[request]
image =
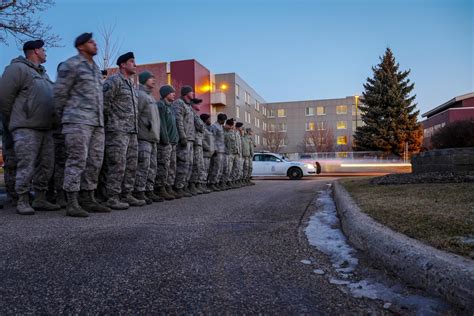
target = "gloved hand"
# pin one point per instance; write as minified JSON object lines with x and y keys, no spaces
{"x":183,"y":141}
{"x":196,"y":100}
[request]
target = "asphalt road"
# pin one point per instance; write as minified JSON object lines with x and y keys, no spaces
{"x":236,"y":251}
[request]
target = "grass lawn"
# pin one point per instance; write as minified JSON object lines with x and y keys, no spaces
{"x":437,"y":214}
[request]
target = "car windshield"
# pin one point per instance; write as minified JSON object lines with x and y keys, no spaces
{"x":283,"y":158}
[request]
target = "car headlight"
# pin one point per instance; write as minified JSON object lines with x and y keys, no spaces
{"x":309,"y":166}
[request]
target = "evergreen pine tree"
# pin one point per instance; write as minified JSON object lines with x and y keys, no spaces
{"x":388,"y":111}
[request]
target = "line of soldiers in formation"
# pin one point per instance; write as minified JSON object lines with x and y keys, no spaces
{"x":105,"y":145}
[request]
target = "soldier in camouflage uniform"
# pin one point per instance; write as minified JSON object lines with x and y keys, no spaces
{"x":208,"y":148}
{"x":26,"y":102}
{"x":246,"y":143}
{"x":9,"y":161}
{"x":198,"y":159}
{"x":184,"y":150}
{"x":148,"y":137}
{"x":121,"y":141}
{"x":218,"y":159}
{"x":79,"y":104}
{"x":238,"y":168}
{"x":232,"y":153}
{"x":166,"y":149}
{"x":251,"y":141}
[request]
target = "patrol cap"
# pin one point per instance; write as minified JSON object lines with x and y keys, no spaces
{"x":33,"y":45}
{"x":124,"y":58}
{"x":239,"y":124}
{"x":82,"y":39}
{"x":204,"y":117}
{"x":185,"y":90}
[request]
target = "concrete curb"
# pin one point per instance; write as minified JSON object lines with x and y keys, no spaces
{"x":439,"y":273}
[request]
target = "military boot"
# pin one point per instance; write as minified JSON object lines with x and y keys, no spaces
{"x":214,"y":187}
{"x":180,"y":192}
{"x":23,"y":206}
{"x":61,"y":198}
{"x":152,"y":196}
{"x":186,"y":190}
{"x":73,"y":208}
{"x":88,"y":202}
{"x":142,"y":196}
{"x":203,"y":188}
{"x":41,"y":204}
{"x":114,"y":203}
{"x":193,"y":190}
{"x":131,"y":200}
{"x":164,"y":194}
{"x":172,"y":192}
{"x":222,"y":186}
{"x":251,"y":182}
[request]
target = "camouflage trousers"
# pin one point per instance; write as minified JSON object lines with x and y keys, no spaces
{"x":146,"y":169}
{"x":9,"y":160}
{"x":121,"y":159}
{"x":59,"y":160}
{"x":246,"y":167}
{"x":34,"y":150}
{"x":216,"y":168}
{"x":205,"y":172}
{"x":240,"y":168}
{"x":198,"y":164}
{"x":163,"y":155}
{"x":233,"y":167}
{"x":85,"y":153}
{"x":184,"y":164}
{"x":172,"y":168}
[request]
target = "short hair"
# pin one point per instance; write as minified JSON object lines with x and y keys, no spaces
{"x":221,"y":117}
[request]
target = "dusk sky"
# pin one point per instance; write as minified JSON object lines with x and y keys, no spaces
{"x":286,"y":50}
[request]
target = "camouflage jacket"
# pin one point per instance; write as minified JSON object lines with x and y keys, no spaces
{"x":148,"y":116}
{"x":238,"y":138}
{"x":208,"y":146}
{"x":168,"y":130}
{"x":199,"y":128}
{"x":78,"y":92}
{"x":26,"y":96}
{"x":218,"y":133}
{"x":184,"y":119}
{"x":120,"y":105}
{"x":246,"y":144}
{"x":231,"y":143}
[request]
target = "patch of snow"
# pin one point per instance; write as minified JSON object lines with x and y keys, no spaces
{"x":318,"y":271}
{"x":323,"y":232}
{"x":305,"y":261}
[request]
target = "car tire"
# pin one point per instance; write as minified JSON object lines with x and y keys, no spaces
{"x":295,"y":173}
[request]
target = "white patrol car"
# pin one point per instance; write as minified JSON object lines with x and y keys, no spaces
{"x":270,"y":164}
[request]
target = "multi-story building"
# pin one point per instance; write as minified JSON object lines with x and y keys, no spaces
{"x":457,"y":109}
{"x":314,"y":125}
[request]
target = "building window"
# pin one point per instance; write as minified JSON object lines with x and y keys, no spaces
{"x":281,"y":112}
{"x":257,"y":139}
{"x":310,"y":126}
{"x":341,"y":125}
{"x":321,"y":110}
{"x":247,"y":117}
{"x":247,"y":98}
{"x":271,"y":113}
{"x":237,"y":91}
{"x":257,"y":105}
{"x":264,"y":111}
{"x":271,"y":127}
{"x":257,"y":122}
{"x":264,"y":126}
{"x":237,"y":111}
{"x":282,"y":127}
{"x":309,"y":111}
{"x":342,"y":140}
{"x":321,"y":126}
{"x":341,"y":109}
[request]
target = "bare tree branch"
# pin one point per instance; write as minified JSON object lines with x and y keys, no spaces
{"x":319,"y":140}
{"x":108,"y":46}
{"x":18,"y":20}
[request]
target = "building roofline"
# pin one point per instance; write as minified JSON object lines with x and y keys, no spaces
{"x":447,"y":104}
{"x":312,"y":100}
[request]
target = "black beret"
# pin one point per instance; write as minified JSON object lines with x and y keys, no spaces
{"x":230,"y":122}
{"x":222,"y":117}
{"x":124,"y":58}
{"x":196,"y":100}
{"x":104,"y":72}
{"x":239,"y":124}
{"x":82,"y":39}
{"x":33,"y":45}
{"x":204,"y":116}
{"x":185,"y":90}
